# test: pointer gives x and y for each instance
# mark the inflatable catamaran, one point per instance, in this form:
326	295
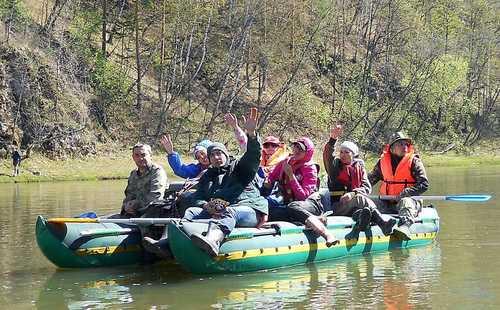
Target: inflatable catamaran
81	243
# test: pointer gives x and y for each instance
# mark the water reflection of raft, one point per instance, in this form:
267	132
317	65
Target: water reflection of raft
79	245
373	280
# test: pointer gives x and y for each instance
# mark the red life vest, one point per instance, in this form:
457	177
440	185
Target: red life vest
345	178
350	176
393	183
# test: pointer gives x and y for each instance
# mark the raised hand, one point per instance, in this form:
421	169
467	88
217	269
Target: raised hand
166	142
231	120
336	131
250	123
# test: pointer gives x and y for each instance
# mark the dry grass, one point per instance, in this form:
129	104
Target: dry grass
38	9
38	168
118	166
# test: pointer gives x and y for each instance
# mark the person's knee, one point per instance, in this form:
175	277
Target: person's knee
227	224
325	199
408	207
247	218
362	201
191	213
407	203
298	210
295	205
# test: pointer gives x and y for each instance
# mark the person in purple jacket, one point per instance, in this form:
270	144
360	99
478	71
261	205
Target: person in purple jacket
187	171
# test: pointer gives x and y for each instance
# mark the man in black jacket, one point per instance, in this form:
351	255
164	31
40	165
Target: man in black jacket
228	192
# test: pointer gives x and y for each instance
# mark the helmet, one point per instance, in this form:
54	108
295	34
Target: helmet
398	136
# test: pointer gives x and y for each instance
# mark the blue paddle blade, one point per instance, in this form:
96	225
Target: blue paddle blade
90	215
469	198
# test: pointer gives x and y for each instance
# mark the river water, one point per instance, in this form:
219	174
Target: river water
460	270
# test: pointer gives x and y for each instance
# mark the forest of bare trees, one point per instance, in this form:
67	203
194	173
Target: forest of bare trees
155	66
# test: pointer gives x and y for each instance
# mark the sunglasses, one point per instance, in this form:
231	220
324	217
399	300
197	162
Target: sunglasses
268	145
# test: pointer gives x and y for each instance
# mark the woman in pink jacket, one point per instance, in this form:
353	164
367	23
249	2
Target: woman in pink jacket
297	178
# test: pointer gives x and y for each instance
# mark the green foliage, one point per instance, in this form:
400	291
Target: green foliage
428	67
83	30
13	11
442	19
111	84
438	104
110	81
300	113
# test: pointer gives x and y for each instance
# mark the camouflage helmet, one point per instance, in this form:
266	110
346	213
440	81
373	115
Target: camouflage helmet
398	136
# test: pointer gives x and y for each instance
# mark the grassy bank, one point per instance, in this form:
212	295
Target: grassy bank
118	166
38	168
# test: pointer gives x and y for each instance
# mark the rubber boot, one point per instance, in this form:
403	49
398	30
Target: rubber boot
318	227
362	218
158	247
385	226
209	243
403	228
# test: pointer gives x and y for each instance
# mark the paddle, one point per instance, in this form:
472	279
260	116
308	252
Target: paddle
460	198
108	231
139	220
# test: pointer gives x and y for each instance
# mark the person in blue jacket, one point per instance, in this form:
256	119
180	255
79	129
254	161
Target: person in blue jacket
187	171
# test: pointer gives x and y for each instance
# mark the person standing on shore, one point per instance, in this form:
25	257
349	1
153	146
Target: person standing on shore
16	160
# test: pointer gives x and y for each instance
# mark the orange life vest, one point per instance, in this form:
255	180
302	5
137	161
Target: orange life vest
394	183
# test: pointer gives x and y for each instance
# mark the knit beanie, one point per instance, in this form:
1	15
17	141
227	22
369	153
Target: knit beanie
201	146
351	146
219	147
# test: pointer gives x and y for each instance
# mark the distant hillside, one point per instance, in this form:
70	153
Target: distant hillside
42	103
77	74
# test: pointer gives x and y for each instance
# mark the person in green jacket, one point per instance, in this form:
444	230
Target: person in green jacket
146	184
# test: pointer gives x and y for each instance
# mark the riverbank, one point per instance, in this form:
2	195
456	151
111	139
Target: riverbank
118	166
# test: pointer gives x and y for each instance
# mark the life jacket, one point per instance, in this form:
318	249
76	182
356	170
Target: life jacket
393	183
343	181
